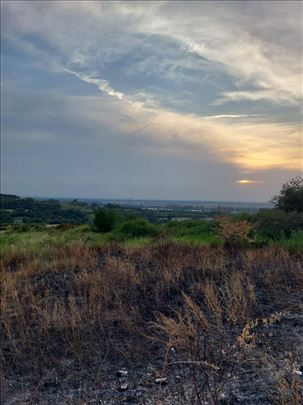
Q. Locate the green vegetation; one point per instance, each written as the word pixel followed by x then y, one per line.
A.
pixel 27 222
pixel 276 224
pixel 291 196
pixel 136 228
pixel 196 232
pixel 138 232
pixel 17 210
pixel 105 219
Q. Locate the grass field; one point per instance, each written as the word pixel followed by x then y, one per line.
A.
pixel 191 232
pixel 75 303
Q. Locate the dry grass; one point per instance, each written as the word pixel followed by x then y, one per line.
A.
pixel 235 233
pixel 63 307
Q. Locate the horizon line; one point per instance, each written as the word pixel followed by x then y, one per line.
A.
pixel 140 199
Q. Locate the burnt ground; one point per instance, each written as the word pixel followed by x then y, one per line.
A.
pixel 251 382
pixel 266 370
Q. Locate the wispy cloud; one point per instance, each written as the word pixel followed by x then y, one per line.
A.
pixel 231 116
pixel 275 96
pixel 246 51
pixel 242 141
pixel 217 82
pixel 101 84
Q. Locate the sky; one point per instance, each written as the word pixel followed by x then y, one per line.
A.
pixel 151 100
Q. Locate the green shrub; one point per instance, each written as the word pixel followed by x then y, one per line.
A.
pixel 105 219
pixel 136 228
pixel 190 228
pixel 243 216
pixel 22 228
pixel 294 243
pixel 275 224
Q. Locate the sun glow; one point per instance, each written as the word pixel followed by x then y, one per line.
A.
pixel 245 181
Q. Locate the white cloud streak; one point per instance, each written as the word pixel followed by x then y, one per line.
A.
pixel 231 116
pixel 252 43
pixel 275 96
pixel 101 84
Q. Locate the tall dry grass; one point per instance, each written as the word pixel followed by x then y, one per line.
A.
pixel 63 308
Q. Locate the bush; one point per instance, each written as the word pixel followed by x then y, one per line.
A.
pixel 292 223
pixel 269 223
pixel 235 233
pixel 22 228
pixel 105 219
pixel 136 228
pixel 193 228
pixel 275 223
pixel 65 227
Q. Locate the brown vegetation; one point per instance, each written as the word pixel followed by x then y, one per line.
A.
pixel 235 233
pixel 68 309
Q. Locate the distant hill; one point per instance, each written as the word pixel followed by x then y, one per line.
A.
pixel 28 210
pixel 16 210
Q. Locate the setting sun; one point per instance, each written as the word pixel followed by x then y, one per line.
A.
pixel 244 181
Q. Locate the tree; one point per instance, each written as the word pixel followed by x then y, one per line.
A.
pixel 105 219
pixel 291 196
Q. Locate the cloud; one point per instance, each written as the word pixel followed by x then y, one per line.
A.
pixel 102 85
pixel 231 116
pixel 252 52
pixel 207 83
pixel 249 145
pixel 243 141
pixel 274 96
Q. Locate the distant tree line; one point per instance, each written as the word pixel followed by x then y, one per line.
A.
pixel 270 224
pixel 16 209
